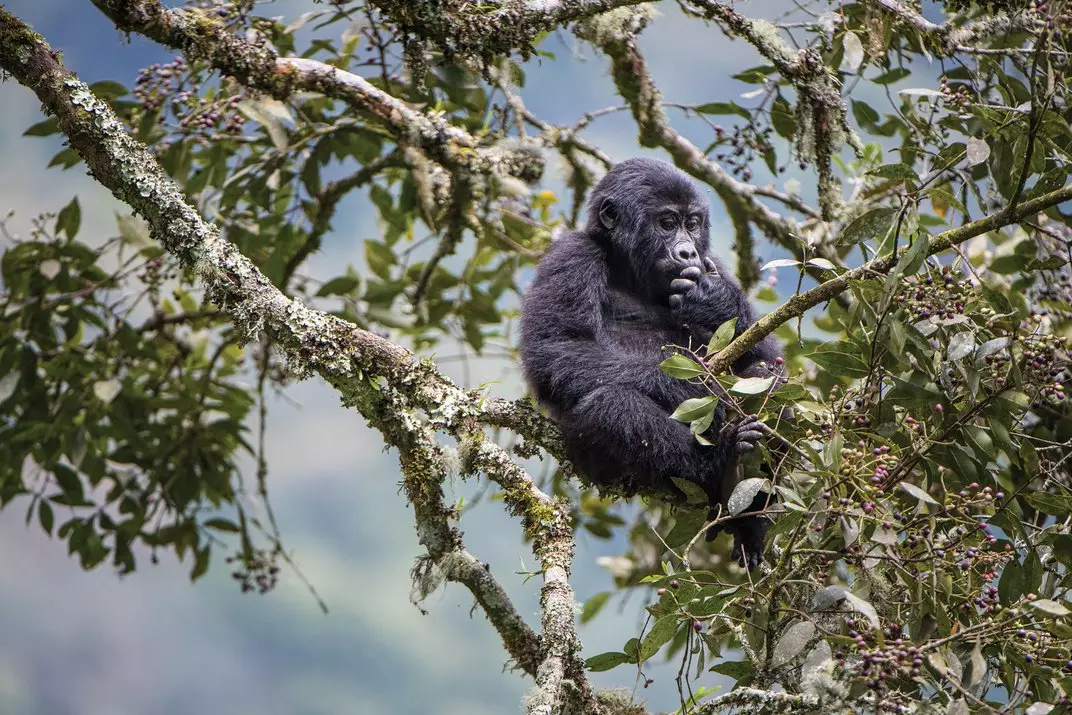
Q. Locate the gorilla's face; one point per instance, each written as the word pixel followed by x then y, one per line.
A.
pixel 655 221
pixel 676 239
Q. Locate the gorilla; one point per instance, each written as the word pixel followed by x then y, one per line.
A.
pixel 606 306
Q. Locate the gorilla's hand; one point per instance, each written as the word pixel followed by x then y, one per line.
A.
pixel 746 434
pixel 686 281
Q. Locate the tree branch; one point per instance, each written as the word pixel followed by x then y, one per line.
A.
pixel 384 381
pixel 822 124
pixel 255 64
pixel 493 31
pixel 880 266
pixel 948 38
pixel 636 86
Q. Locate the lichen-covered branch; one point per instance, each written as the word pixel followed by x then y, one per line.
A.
pixel 616 36
pixel 755 700
pixel 424 469
pixel 386 382
pixel 493 30
pixel 948 38
pixel 876 268
pixel 202 36
pixel 822 122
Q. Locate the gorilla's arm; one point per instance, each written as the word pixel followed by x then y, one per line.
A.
pixel 708 300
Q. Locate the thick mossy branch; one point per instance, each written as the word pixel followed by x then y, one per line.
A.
pixel 384 381
pixel 615 34
pixel 486 31
pixel 947 39
pixel 254 63
pixel 878 268
pixel 200 35
pixel 822 121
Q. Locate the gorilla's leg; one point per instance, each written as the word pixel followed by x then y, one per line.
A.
pixel 617 435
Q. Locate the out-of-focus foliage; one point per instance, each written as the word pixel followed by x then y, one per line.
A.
pixel 920 558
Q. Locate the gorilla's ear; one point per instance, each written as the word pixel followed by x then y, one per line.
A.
pixel 608 214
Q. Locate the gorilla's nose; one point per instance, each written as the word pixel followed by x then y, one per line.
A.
pixel 685 252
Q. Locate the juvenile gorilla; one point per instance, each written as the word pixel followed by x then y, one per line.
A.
pixel 596 322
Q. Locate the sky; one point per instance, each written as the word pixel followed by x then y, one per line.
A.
pixel 95 644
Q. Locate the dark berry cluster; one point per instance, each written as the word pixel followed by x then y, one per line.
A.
pixel 943 295
pixel 257 571
pixel 738 149
pixel 957 96
pixel 164 88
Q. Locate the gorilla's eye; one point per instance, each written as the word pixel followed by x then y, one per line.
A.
pixel 692 224
pixel 668 222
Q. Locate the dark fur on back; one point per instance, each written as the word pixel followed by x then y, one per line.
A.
pixel 595 323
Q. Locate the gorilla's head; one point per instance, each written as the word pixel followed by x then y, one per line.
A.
pixel 653 219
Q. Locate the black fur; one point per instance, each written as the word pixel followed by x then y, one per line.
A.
pixel 605 303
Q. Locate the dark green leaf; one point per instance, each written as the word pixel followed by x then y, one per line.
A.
pixel 681 367
pixel 605 661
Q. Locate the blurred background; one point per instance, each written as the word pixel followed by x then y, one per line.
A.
pixel 95 644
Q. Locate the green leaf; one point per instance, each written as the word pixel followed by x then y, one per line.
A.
pixel 201 561
pixel 688 523
pixel 694 493
pixel 593 606
pixel 222 525
pixel 1049 608
pixel 69 218
pixel 694 409
pixel 913 258
pixel 43 129
pixel 1054 504
pixel 792 642
pixel 722 337
pixel 659 635
pixel 339 286
pixel 901 172
pixel 861 606
pixel 1011 585
pixel 753 385
pixel 68 480
pixel 894 75
pixel 738 670
pixel 783 118
pixel 108 89
pixel 960 346
pixel 744 494
pixel 914 491
pixel 681 367
pixel 605 661
pixel 45 516
pixel 379 258
pixel 838 363
pixel 868 226
pixel 723 108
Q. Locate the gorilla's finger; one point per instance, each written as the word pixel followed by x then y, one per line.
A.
pixel 709 263
pixel 693 273
pixel 681 285
pixel 675 300
pixel 752 435
pixel 743 447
